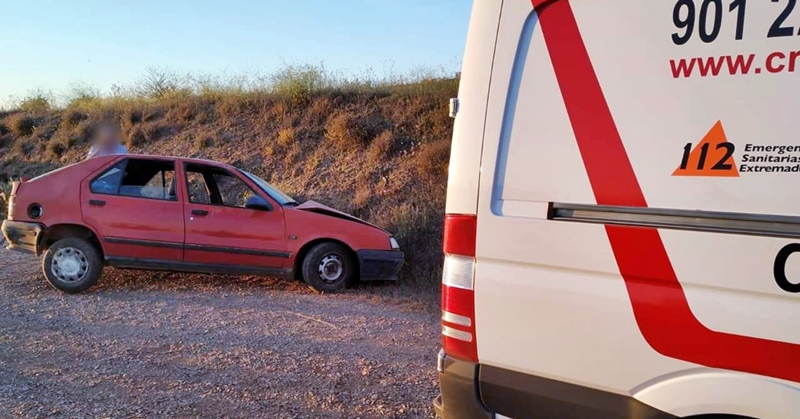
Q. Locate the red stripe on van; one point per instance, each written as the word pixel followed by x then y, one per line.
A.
pixel 659 303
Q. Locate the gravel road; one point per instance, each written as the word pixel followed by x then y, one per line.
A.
pixel 147 344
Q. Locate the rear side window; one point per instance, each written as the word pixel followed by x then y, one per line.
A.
pixel 108 182
pixel 138 178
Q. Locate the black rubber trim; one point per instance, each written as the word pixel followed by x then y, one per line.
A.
pixel 146 243
pixel 710 221
pixel 518 395
pixel 22 236
pixel 177 266
pixel 237 250
pixel 459 392
pixel 380 265
pixel 204 248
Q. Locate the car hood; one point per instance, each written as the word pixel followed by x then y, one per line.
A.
pixel 316 207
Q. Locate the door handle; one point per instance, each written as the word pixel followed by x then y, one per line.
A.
pixel 199 212
pixel 97 202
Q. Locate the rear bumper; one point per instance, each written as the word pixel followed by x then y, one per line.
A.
pixel 22 236
pixel 459 398
pixel 474 391
pixel 380 265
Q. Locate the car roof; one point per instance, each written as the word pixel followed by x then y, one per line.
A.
pixel 182 159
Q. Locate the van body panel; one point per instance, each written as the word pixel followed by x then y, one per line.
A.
pixel 704 392
pixel 615 104
pixel 465 151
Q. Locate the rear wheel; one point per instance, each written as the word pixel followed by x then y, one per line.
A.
pixel 329 267
pixel 72 265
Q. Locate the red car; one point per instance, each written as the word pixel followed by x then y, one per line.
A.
pixel 167 213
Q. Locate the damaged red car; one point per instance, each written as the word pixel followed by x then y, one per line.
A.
pixel 187 215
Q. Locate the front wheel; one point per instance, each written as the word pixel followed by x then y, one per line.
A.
pixel 72 265
pixel 329 267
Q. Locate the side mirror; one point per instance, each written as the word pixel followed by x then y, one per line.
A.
pixel 256 202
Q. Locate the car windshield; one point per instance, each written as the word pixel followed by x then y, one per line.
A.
pixel 272 191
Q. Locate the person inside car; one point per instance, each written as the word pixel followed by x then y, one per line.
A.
pixel 106 141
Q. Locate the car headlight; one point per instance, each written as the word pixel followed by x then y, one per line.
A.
pixel 393 242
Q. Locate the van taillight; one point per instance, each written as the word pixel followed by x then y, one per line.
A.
pixel 458 280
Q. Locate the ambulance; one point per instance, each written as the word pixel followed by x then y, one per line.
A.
pixel 622 233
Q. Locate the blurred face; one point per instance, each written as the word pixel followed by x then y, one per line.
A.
pixel 107 137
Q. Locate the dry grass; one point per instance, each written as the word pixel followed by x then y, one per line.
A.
pixel 343 131
pixel 381 148
pixel 432 160
pixel 73 117
pixel 22 124
pixel 56 147
pixel 285 136
pixel 203 142
pixel 362 196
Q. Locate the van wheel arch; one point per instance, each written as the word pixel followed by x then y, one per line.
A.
pixel 57 232
pixel 297 269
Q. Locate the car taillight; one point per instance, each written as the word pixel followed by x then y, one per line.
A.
pixel 15 185
pixel 458 280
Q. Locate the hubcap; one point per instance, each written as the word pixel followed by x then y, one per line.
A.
pixel 331 268
pixel 69 264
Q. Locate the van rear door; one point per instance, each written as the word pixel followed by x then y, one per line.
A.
pixel 636 212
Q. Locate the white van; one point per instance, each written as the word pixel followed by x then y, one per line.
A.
pixel 623 212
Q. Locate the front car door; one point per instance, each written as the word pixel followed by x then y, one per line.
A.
pixel 222 232
pixel 134 207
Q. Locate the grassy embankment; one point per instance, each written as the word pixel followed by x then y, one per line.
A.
pixel 376 149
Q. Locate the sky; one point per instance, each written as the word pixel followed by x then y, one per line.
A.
pixel 56 44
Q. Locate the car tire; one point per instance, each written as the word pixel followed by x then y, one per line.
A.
pixel 72 265
pixel 329 267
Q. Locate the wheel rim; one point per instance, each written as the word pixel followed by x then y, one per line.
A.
pixel 69 265
pixel 331 268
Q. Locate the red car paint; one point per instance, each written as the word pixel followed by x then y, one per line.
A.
pixel 154 229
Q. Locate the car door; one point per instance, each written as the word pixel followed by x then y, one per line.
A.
pixel 221 231
pixel 134 207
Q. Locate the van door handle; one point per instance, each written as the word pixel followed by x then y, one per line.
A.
pixel 97 202
pixel 199 212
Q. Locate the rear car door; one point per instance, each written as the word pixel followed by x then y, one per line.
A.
pixel 134 207
pixel 221 230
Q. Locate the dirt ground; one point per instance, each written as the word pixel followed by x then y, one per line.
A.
pixel 148 344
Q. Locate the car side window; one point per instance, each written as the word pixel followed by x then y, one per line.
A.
pixel 108 182
pixel 233 191
pixel 198 190
pixel 139 178
pixel 208 185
